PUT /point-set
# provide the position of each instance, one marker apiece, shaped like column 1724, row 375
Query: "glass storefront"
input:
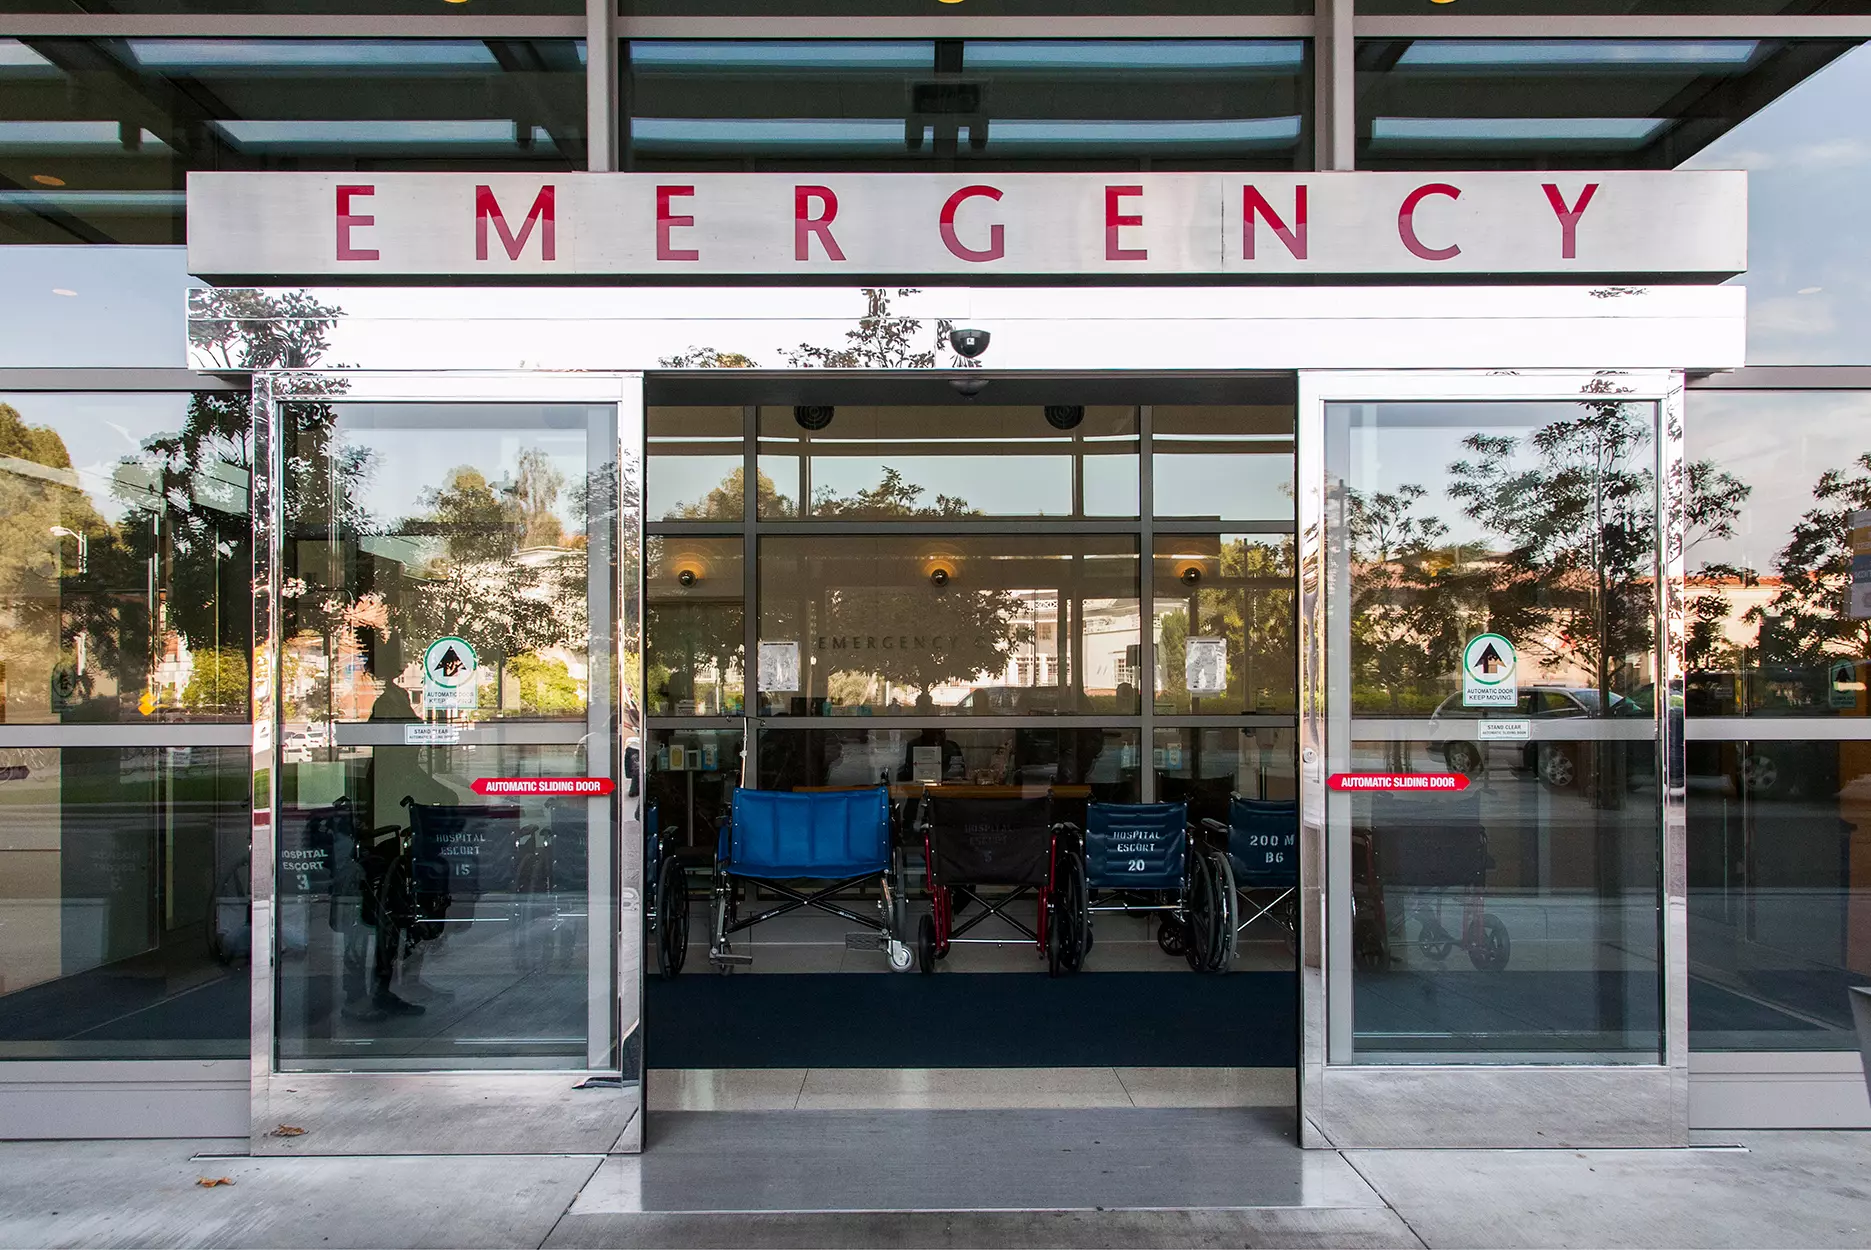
column 1094, row 594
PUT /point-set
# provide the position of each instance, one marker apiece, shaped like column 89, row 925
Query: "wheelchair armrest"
column 1214, row 826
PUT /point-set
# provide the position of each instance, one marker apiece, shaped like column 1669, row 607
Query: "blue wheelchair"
column 1139, row 858
column 1261, row 866
column 835, row 840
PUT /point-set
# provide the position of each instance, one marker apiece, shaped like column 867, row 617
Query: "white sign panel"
column 1503, row 730
column 1488, row 672
column 779, row 667
column 284, row 225
column 1205, row 666
column 450, row 675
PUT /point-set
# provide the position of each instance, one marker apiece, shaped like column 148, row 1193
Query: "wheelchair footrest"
column 720, row 957
column 867, row 941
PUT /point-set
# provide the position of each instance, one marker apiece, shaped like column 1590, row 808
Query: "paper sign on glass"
column 1205, row 665
column 779, row 667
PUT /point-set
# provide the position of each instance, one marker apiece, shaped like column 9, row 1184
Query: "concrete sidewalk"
column 1753, row 1189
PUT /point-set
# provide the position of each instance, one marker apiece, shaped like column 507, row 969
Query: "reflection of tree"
column 954, row 634
column 1577, row 580
column 1250, row 606
column 1715, row 498
column 724, row 502
column 478, row 584
column 1809, row 618
column 891, row 499
column 688, row 633
column 1408, row 594
column 880, row 340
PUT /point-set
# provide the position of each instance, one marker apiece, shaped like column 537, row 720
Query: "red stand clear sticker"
column 1394, row 782
column 533, row 787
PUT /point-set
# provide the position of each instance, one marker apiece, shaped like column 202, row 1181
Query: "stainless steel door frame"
column 1370, row 1105
column 593, row 1108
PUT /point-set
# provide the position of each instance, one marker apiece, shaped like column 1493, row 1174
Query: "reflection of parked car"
column 1556, row 763
column 1768, row 768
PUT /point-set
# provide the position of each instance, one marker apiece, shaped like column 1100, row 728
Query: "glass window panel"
column 1515, row 920
column 124, row 921
column 116, row 307
column 407, row 524
column 1607, row 8
column 992, row 104
column 296, row 8
column 952, row 626
column 1225, row 461
column 1558, row 103
column 694, row 626
column 1776, row 477
column 124, row 570
column 695, row 470
column 1809, row 300
column 986, row 8
column 1080, row 764
column 1779, row 893
column 419, row 922
column 1238, row 588
column 693, row 776
column 912, row 463
column 97, row 136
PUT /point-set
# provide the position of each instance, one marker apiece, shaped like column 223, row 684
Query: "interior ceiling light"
column 1442, row 1
column 48, row 180
column 59, row 290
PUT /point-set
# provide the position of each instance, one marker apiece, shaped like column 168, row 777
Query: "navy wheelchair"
column 836, row 839
column 1261, row 865
column 1139, row 858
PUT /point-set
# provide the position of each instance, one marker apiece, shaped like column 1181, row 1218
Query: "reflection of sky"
column 99, row 430
column 1396, row 445
column 1778, row 444
column 121, row 307
column 406, row 465
column 1809, row 247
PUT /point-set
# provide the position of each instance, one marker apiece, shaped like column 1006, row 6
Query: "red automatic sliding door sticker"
column 1392, row 782
column 581, row 787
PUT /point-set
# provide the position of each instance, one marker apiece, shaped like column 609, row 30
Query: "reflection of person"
column 850, row 763
column 1105, row 775
column 393, row 772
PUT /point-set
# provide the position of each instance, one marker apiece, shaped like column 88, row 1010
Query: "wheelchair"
column 838, row 839
column 970, row 842
column 1140, row 858
column 667, row 888
column 1260, row 867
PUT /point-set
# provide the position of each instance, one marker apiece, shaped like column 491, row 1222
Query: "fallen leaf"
column 209, row 1182
column 287, row 1130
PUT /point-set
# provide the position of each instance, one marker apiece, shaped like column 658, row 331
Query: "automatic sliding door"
column 448, row 785
column 1493, row 785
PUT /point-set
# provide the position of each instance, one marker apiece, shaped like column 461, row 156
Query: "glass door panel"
column 1492, row 655
column 450, row 787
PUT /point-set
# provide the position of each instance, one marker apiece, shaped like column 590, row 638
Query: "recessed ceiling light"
column 47, row 180
column 1810, row 290
column 948, row 1
column 59, row 290
column 1442, row 1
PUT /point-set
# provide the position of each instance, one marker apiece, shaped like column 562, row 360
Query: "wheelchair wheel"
column 1069, row 933
column 1204, row 924
column 926, row 945
column 672, row 919
column 1492, row 954
column 1225, row 898
column 1173, row 937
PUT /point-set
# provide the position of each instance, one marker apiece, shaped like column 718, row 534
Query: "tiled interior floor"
column 955, row 1089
